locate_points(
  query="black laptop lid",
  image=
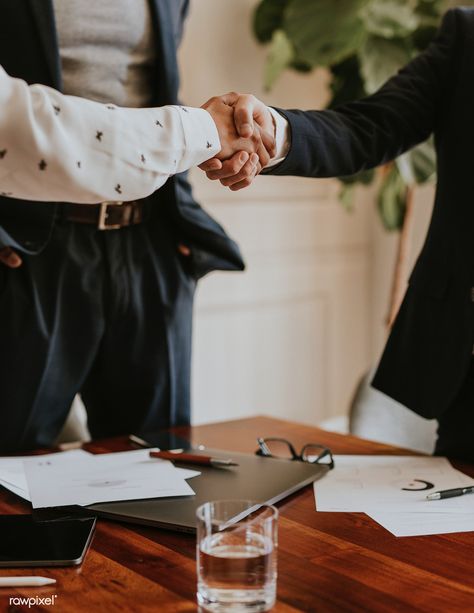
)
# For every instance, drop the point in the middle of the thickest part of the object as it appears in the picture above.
(259, 479)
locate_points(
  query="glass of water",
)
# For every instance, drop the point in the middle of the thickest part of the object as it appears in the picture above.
(236, 556)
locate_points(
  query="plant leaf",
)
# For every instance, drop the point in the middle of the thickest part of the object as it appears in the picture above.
(267, 18)
(324, 32)
(280, 57)
(365, 177)
(419, 164)
(380, 59)
(423, 35)
(390, 18)
(348, 184)
(300, 66)
(452, 3)
(346, 84)
(346, 196)
(391, 200)
(430, 9)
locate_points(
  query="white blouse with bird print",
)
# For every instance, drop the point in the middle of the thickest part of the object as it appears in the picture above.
(67, 149)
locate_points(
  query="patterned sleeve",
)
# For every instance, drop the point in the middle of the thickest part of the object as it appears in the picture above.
(63, 148)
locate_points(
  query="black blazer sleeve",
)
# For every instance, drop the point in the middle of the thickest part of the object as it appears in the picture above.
(372, 131)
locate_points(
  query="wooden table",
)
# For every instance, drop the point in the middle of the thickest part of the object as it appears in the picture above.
(328, 562)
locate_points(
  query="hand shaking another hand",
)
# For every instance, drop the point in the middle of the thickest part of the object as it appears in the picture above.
(247, 134)
(246, 131)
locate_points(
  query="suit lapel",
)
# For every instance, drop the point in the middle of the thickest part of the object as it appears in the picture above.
(166, 49)
(43, 15)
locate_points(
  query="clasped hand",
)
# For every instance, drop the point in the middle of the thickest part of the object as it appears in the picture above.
(246, 131)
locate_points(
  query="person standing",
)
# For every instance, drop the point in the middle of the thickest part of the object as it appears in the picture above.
(428, 362)
(102, 303)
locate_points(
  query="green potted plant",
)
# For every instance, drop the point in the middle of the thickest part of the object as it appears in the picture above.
(362, 43)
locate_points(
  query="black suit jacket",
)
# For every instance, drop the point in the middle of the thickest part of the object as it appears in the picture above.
(428, 352)
(29, 50)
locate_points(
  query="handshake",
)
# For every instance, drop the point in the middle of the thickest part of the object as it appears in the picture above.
(246, 131)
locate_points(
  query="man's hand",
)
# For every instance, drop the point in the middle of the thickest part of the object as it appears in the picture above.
(240, 120)
(251, 117)
(9, 258)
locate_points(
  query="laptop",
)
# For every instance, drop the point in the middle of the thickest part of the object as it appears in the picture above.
(256, 478)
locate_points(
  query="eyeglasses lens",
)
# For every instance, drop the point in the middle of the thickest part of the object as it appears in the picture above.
(279, 449)
(313, 453)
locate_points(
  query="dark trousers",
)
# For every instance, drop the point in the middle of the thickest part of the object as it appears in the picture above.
(456, 425)
(107, 314)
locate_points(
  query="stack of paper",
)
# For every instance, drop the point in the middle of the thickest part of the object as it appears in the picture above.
(393, 489)
(80, 478)
(12, 471)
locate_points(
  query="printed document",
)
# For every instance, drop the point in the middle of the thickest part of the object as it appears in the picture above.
(419, 524)
(392, 490)
(129, 475)
(391, 483)
(12, 472)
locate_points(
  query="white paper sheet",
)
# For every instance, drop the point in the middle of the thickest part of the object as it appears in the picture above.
(13, 478)
(12, 473)
(391, 483)
(129, 475)
(142, 455)
(419, 524)
(187, 473)
(22, 493)
(137, 455)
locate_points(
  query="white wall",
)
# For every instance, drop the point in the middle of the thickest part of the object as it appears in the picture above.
(291, 335)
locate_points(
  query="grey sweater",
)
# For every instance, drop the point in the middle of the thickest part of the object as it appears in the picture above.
(107, 51)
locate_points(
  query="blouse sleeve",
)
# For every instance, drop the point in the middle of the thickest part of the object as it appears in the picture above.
(55, 147)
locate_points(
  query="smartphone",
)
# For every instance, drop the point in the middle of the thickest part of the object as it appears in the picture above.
(26, 542)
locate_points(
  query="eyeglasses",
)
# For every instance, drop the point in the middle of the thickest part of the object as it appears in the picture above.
(284, 450)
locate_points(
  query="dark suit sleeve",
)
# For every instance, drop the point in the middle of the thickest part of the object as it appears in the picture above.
(372, 131)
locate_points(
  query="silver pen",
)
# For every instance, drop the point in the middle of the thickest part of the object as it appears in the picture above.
(457, 491)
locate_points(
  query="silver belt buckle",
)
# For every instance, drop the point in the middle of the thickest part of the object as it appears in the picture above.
(103, 214)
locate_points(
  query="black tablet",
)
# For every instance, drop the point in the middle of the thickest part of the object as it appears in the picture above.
(25, 542)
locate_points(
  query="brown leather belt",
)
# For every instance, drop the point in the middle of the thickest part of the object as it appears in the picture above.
(106, 215)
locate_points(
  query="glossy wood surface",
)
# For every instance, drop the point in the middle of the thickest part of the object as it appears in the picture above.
(328, 562)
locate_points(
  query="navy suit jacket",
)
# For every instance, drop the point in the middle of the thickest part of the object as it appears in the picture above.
(29, 50)
(429, 350)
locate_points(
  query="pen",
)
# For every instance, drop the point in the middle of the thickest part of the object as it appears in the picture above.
(190, 458)
(25, 581)
(457, 491)
(138, 441)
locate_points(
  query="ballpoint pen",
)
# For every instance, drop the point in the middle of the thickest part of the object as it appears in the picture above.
(457, 491)
(190, 458)
(138, 441)
(25, 581)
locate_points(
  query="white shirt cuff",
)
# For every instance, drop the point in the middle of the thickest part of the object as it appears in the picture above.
(282, 137)
(201, 137)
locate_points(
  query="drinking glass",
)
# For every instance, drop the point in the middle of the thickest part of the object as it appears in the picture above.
(236, 556)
